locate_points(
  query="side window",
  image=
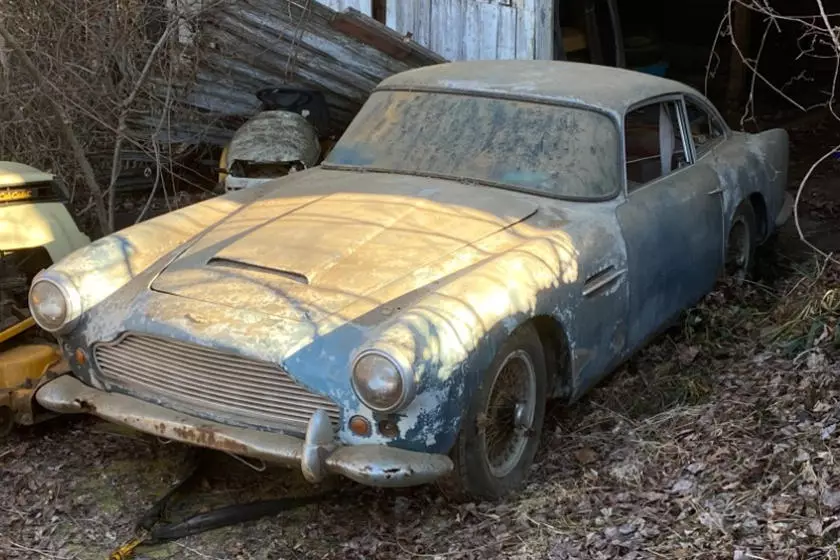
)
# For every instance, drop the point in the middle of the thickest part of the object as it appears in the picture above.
(653, 142)
(706, 130)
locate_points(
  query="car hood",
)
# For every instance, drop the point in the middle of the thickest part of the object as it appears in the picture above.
(323, 240)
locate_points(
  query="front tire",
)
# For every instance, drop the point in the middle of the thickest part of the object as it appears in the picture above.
(501, 431)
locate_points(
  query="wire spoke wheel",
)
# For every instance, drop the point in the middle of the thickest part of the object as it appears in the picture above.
(509, 415)
(500, 431)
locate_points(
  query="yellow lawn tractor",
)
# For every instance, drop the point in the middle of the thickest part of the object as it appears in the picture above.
(36, 230)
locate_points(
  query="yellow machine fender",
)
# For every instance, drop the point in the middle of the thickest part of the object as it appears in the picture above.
(40, 224)
(23, 369)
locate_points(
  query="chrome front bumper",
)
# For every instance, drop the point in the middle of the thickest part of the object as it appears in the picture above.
(317, 454)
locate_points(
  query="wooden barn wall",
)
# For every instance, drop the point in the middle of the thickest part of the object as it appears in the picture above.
(476, 29)
(364, 6)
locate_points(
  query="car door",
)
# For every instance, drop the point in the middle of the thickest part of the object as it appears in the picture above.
(671, 220)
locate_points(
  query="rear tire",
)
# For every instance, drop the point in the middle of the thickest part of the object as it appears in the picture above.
(741, 243)
(501, 431)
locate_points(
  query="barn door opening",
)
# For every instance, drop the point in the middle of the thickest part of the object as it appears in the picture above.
(588, 31)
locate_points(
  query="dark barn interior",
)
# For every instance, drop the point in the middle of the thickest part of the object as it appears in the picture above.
(782, 74)
(676, 39)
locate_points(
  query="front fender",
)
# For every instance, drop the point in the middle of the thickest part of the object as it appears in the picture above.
(101, 268)
(40, 224)
(451, 330)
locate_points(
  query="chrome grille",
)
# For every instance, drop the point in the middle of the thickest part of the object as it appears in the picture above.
(208, 381)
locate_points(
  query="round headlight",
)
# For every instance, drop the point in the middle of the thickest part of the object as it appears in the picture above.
(52, 305)
(380, 383)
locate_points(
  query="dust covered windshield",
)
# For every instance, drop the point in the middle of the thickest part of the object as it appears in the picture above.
(559, 151)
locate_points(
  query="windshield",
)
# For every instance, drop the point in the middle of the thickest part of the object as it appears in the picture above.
(552, 150)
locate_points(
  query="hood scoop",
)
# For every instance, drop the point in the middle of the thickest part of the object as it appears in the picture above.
(304, 258)
(220, 262)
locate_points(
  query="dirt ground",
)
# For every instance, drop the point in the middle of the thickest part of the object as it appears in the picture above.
(719, 441)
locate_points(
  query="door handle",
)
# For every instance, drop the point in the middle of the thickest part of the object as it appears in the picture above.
(715, 191)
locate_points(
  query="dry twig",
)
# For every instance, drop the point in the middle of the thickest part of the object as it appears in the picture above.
(817, 28)
(64, 124)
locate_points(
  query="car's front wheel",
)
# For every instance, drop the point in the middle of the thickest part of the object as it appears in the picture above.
(501, 431)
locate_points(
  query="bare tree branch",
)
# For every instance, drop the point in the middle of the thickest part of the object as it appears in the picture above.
(65, 126)
(819, 35)
(125, 107)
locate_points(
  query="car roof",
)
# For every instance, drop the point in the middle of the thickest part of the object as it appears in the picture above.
(606, 88)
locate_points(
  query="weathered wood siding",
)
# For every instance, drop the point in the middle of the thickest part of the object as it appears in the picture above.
(364, 6)
(241, 46)
(476, 29)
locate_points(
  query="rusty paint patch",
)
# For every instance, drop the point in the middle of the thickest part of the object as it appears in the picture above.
(85, 406)
(206, 436)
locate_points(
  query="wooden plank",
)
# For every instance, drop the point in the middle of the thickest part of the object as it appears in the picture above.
(262, 49)
(241, 46)
(369, 31)
(364, 6)
(508, 18)
(489, 38)
(472, 31)
(310, 30)
(446, 28)
(526, 31)
(544, 20)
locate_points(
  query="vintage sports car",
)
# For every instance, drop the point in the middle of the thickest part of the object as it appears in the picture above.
(484, 236)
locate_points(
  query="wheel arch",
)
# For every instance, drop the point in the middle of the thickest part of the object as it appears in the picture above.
(762, 219)
(554, 340)
(558, 358)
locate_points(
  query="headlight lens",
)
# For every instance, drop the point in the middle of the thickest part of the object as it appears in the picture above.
(52, 305)
(380, 383)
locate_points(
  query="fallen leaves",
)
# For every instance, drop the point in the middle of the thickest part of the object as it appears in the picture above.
(682, 486)
(586, 456)
(721, 447)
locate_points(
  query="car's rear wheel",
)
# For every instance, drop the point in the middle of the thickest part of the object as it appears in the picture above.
(741, 243)
(501, 431)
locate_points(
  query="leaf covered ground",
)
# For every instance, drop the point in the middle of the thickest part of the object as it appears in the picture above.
(720, 441)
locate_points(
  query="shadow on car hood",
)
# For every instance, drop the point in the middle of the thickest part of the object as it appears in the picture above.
(303, 254)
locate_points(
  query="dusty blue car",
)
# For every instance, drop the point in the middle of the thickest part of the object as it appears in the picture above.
(483, 237)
